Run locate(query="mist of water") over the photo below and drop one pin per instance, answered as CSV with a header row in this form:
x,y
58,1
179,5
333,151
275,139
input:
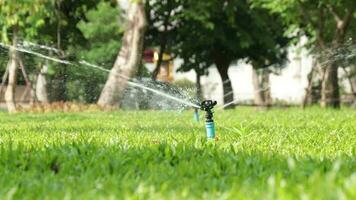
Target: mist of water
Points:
x,y
21,48
135,84
343,55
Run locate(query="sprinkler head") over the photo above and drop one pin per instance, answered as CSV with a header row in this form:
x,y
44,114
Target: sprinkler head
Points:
x,y
207,106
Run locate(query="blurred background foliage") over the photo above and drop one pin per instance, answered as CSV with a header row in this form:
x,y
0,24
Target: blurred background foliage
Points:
x,y
201,33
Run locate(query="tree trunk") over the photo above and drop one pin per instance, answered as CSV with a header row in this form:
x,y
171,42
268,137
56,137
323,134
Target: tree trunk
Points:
x,y
41,85
160,59
315,79
163,44
199,94
262,96
12,79
351,77
350,80
28,88
266,87
308,91
128,58
4,79
330,95
259,99
223,67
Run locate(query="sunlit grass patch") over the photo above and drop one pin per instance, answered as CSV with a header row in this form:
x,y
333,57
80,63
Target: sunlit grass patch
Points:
x,y
164,154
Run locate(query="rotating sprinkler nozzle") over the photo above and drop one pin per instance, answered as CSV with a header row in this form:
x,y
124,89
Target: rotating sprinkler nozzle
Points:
x,y
207,106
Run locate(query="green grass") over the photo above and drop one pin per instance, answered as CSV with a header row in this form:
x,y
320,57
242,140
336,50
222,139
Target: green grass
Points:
x,y
276,154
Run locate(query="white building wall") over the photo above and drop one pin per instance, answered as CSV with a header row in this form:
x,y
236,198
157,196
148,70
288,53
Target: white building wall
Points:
x,y
288,86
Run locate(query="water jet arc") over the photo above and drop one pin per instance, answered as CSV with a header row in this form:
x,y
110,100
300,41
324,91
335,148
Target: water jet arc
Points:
x,y
129,81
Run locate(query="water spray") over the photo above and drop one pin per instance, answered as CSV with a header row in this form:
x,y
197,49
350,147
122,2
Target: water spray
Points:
x,y
207,106
129,80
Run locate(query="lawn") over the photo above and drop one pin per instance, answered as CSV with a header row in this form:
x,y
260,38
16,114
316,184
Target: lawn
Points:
x,y
281,153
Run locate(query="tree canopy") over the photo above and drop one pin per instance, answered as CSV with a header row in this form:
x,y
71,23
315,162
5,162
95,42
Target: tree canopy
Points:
x,y
221,32
204,34
327,24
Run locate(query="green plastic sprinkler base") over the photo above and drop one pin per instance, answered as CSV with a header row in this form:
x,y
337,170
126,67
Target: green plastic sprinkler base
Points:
x,y
207,106
210,130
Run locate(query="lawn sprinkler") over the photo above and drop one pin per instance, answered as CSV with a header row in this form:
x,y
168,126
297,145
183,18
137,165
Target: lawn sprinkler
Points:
x,y
196,115
207,106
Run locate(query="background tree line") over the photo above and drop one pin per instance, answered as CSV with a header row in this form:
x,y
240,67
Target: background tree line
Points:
x,y
202,33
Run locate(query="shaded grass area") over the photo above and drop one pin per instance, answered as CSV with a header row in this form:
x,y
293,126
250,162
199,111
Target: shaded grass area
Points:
x,y
281,153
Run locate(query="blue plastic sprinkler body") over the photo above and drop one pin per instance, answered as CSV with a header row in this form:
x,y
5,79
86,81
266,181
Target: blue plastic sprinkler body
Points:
x,y
207,106
196,115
